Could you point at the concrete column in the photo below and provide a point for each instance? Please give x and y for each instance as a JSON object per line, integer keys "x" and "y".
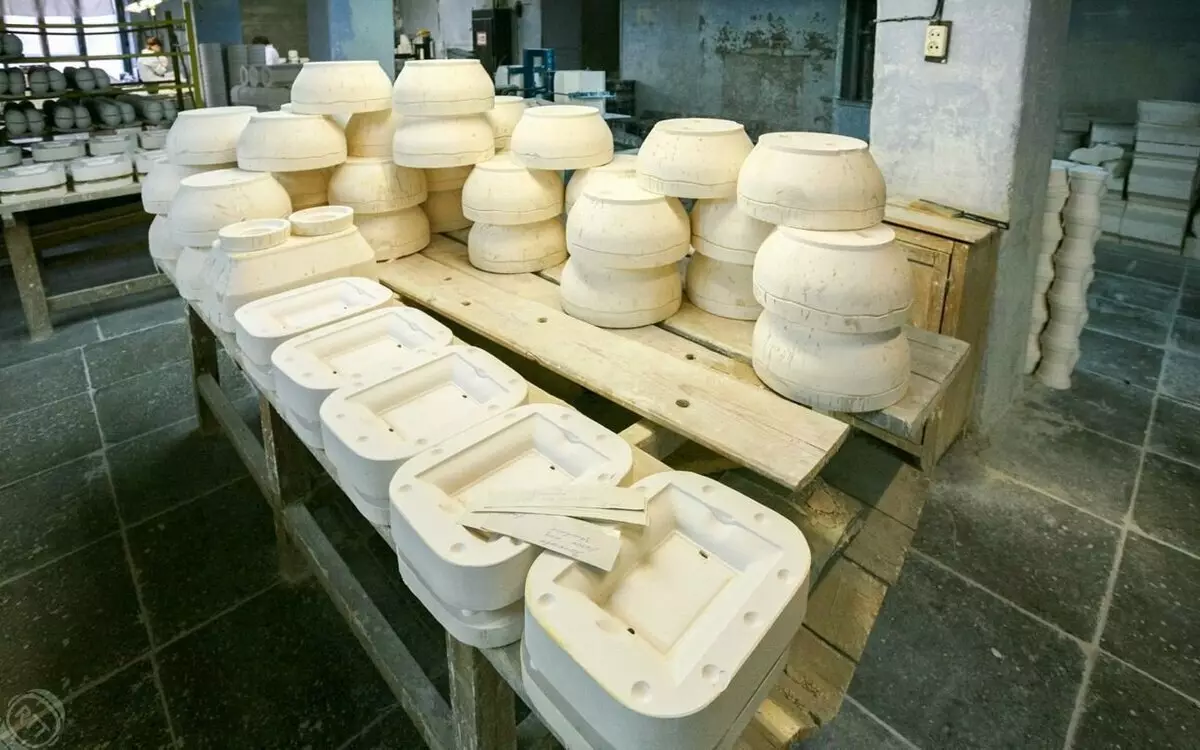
{"x": 352, "y": 30}
{"x": 218, "y": 21}
{"x": 976, "y": 133}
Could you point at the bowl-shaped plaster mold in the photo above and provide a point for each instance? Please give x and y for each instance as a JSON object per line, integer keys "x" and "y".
{"x": 524, "y": 248}
{"x": 342, "y": 87}
{"x": 451, "y": 178}
{"x": 94, "y": 173}
{"x": 501, "y": 191}
{"x": 622, "y": 226}
{"x": 10, "y": 156}
{"x": 442, "y": 88}
{"x": 814, "y": 181}
{"x": 370, "y": 133}
{"x": 533, "y": 446}
{"x": 311, "y": 366}
{"x": 191, "y": 271}
{"x": 211, "y": 200}
{"x": 144, "y": 161}
{"x": 162, "y": 248}
{"x": 615, "y": 298}
{"x": 264, "y": 324}
{"x": 207, "y": 137}
{"x": 853, "y": 282}
{"x": 722, "y": 288}
{"x": 47, "y": 151}
{"x": 372, "y": 427}
{"x": 693, "y": 158}
{"x": 444, "y": 211}
{"x": 396, "y": 233}
{"x": 282, "y": 142}
{"x": 669, "y": 648}
{"x": 850, "y": 372}
{"x": 504, "y": 118}
{"x": 306, "y": 189}
{"x": 162, "y": 183}
{"x": 562, "y": 136}
{"x": 722, "y": 231}
{"x": 622, "y": 167}
{"x": 32, "y": 181}
{"x": 153, "y": 140}
{"x": 374, "y": 185}
{"x": 443, "y": 142}
{"x": 108, "y": 145}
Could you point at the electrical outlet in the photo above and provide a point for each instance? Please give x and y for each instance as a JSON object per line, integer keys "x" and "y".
{"x": 937, "y": 42}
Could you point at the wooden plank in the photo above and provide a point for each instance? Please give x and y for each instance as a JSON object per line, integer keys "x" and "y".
{"x": 912, "y": 213}
{"x": 784, "y": 441}
{"x": 244, "y": 442}
{"x": 820, "y": 676}
{"x": 653, "y": 439}
{"x": 481, "y": 702}
{"x": 104, "y": 292}
{"x": 881, "y": 546}
{"x": 29, "y": 278}
{"x": 204, "y": 362}
{"x": 10, "y": 209}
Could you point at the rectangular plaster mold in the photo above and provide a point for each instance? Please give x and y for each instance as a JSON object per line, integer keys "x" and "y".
{"x": 1163, "y": 178}
{"x": 264, "y": 324}
{"x": 538, "y": 445}
{"x": 669, "y": 648}
{"x": 311, "y": 366}
{"x": 1169, "y": 134}
{"x": 1149, "y": 148}
{"x": 1163, "y": 222}
{"x": 373, "y": 426}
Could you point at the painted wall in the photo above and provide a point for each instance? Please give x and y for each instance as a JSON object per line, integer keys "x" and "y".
{"x": 284, "y": 22}
{"x": 771, "y": 64}
{"x": 352, "y": 30}
{"x": 218, "y": 21}
{"x": 1120, "y": 51}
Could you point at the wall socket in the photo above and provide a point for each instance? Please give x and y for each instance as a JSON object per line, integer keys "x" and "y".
{"x": 937, "y": 42}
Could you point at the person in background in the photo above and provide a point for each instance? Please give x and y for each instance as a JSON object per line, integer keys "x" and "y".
{"x": 156, "y": 68}
{"x": 272, "y": 53}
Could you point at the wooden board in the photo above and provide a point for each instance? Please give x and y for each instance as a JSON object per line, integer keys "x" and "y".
{"x": 8, "y": 209}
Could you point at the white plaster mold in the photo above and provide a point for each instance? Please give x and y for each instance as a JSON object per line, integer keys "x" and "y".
{"x": 693, "y": 158}
{"x": 374, "y": 185}
{"x": 562, "y": 136}
{"x": 443, "y": 142}
{"x": 395, "y": 234}
{"x": 617, "y": 298}
{"x": 49, "y": 151}
{"x": 441, "y": 88}
{"x": 444, "y": 211}
{"x": 619, "y": 225}
{"x": 162, "y": 183}
{"x": 504, "y": 118}
{"x": 622, "y": 167}
{"x": 371, "y": 133}
{"x": 342, "y": 87}
{"x": 94, "y": 173}
{"x": 450, "y": 178}
{"x": 306, "y": 188}
{"x": 153, "y": 140}
{"x": 208, "y": 201}
{"x": 722, "y": 288}
{"x": 32, "y": 181}
{"x": 285, "y": 142}
{"x": 724, "y": 232}
{"x": 522, "y": 248}
{"x": 502, "y": 191}
{"x": 207, "y": 137}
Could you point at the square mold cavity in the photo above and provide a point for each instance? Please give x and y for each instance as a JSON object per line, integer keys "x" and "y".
{"x": 369, "y": 429}
{"x": 533, "y": 446}
{"x": 264, "y": 324}
{"x": 313, "y": 365}
{"x": 669, "y": 648}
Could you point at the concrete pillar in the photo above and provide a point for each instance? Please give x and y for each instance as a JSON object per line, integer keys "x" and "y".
{"x": 976, "y": 133}
{"x": 352, "y": 30}
{"x": 218, "y": 21}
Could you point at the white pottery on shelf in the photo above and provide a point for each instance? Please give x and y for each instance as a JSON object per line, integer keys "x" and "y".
{"x": 93, "y": 173}
{"x": 816, "y": 181}
{"x": 163, "y": 249}
{"x": 502, "y": 191}
{"x": 370, "y": 133}
{"x": 47, "y": 151}
{"x": 311, "y": 366}
{"x": 443, "y": 142}
{"x": 617, "y": 298}
{"x": 108, "y": 145}
{"x": 722, "y": 288}
{"x": 523, "y": 248}
{"x": 562, "y": 136}
{"x": 207, "y": 137}
{"x": 32, "y": 181}
{"x": 374, "y": 185}
{"x": 449, "y": 178}
{"x": 444, "y": 211}
{"x": 504, "y": 118}
{"x": 211, "y": 200}
{"x": 622, "y": 167}
{"x": 693, "y": 158}
{"x": 307, "y": 189}
{"x": 395, "y": 234}
{"x": 442, "y": 88}
{"x": 342, "y": 87}
{"x": 10, "y": 156}
{"x": 153, "y": 140}
{"x": 162, "y": 183}
{"x": 144, "y": 161}
{"x": 675, "y": 646}
{"x": 722, "y": 231}
{"x": 282, "y": 142}
{"x": 620, "y": 225}
{"x": 191, "y": 270}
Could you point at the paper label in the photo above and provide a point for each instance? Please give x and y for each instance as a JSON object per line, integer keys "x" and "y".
{"x": 573, "y": 495}
{"x": 579, "y": 540}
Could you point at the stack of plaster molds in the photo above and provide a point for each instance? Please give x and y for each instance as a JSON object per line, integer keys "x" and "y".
{"x": 835, "y": 287}
{"x": 515, "y": 212}
{"x": 1057, "y": 192}
{"x": 299, "y": 150}
{"x": 386, "y": 200}
{"x": 562, "y": 136}
{"x": 1073, "y": 273}
{"x": 504, "y": 118}
{"x": 622, "y": 167}
{"x": 474, "y": 583}
{"x": 90, "y": 174}
{"x": 444, "y": 107}
{"x": 1162, "y": 185}
{"x": 677, "y": 645}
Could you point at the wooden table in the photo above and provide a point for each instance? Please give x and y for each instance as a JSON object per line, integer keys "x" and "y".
{"x": 35, "y": 303}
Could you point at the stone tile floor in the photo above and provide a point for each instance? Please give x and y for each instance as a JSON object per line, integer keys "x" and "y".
{"x": 1052, "y": 598}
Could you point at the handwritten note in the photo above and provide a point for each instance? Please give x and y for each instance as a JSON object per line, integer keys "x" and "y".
{"x": 572, "y": 495}
{"x": 579, "y": 540}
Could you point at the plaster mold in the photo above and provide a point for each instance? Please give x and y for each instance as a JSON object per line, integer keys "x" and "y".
{"x": 613, "y": 298}
{"x": 1086, "y": 180}
{"x": 109, "y": 145}
{"x": 478, "y": 628}
{"x": 622, "y": 167}
{"x": 10, "y": 156}
{"x": 849, "y": 372}
{"x": 371, "y": 133}
{"x": 163, "y": 249}
{"x": 162, "y": 183}
{"x": 502, "y": 191}
{"x": 623, "y": 226}
{"x": 444, "y": 211}
{"x": 443, "y": 142}
{"x": 442, "y": 88}
{"x": 533, "y": 446}
{"x": 504, "y": 118}
{"x": 144, "y": 161}
{"x": 32, "y": 181}
{"x": 95, "y": 173}
{"x": 722, "y": 288}
{"x": 283, "y": 142}
{"x": 47, "y": 151}
{"x": 309, "y": 367}
{"x": 396, "y": 233}
{"x": 693, "y": 158}
{"x": 562, "y": 136}
{"x": 1166, "y": 112}
{"x": 153, "y": 140}
{"x": 374, "y": 185}
{"x": 451, "y": 178}
{"x": 523, "y": 248}
{"x": 658, "y": 652}
{"x": 191, "y": 270}
{"x": 307, "y": 188}
{"x": 264, "y": 324}
{"x": 816, "y": 181}
{"x": 724, "y": 232}
{"x": 211, "y": 200}
{"x": 207, "y": 137}
{"x": 342, "y": 87}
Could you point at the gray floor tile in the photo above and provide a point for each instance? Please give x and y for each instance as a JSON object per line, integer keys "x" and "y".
{"x": 31, "y": 384}
{"x": 1154, "y": 622}
{"x": 145, "y": 402}
{"x": 112, "y": 360}
{"x": 1127, "y": 321}
{"x": 160, "y": 469}
{"x": 949, "y": 666}
{"x": 1176, "y": 430}
{"x": 281, "y": 671}
{"x": 1099, "y": 403}
{"x": 1191, "y": 282}
{"x": 874, "y": 473}
{"x": 394, "y": 731}
{"x": 1181, "y": 377}
{"x": 1189, "y": 304}
{"x": 1132, "y": 291}
{"x": 15, "y": 346}
{"x": 38, "y": 439}
{"x": 1120, "y": 359}
{"x": 1129, "y": 262}
{"x": 1125, "y": 709}
{"x": 1168, "y": 502}
{"x": 53, "y": 513}
{"x": 124, "y": 711}
{"x": 134, "y": 313}
{"x": 69, "y": 623}
{"x": 1040, "y": 554}
{"x": 1185, "y": 335}
{"x": 852, "y": 728}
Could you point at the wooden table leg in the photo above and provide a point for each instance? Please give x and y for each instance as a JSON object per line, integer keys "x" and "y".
{"x": 291, "y": 476}
{"x": 204, "y": 362}
{"x": 482, "y": 703}
{"x": 28, "y": 276}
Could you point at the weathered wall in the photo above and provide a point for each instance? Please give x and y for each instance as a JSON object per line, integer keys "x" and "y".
{"x": 1120, "y": 51}
{"x": 773, "y": 61}
{"x": 352, "y": 30}
{"x": 284, "y": 22}
{"x": 218, "y": 21}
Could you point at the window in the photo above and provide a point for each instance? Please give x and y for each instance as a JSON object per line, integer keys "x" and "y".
{"x": 67, "y": 43}
{"x": 858, "y": 61}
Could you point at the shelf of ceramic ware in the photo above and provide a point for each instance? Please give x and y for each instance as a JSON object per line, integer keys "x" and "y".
{"x": 693, "y": 158}
{"x": 562, "y": 136}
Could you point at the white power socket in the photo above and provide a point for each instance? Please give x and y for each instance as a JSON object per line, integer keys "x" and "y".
{"x": 937, "y": 42}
